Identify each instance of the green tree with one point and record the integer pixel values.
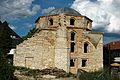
(5, 45)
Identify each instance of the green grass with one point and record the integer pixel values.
(98, 75)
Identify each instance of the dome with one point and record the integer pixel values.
(65, 10)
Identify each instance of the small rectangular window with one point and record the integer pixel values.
(72, 21)
(72, 36)
(84, 62)
(72, 62)
(85, 48)
(72, 47)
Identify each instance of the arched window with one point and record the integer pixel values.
(72, 21)
(72, 45)
(85, 47)
(72, 36)
(51, 21)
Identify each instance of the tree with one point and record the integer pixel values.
(5, 45)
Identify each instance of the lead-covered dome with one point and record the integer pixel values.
(65, 10)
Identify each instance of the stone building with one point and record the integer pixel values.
(64, 39)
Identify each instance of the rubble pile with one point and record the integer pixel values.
(53, 71)
(39, 73)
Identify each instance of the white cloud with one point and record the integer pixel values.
(16, 8)
(104, 13)
(46, 11)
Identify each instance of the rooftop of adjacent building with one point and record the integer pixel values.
(113, 45)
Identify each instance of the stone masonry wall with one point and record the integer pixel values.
(37, 52)
(51, 46)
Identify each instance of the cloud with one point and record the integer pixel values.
(17, 8)
(46, 11)
(104, 13)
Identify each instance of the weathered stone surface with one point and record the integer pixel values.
(47, 74)
(51, 46)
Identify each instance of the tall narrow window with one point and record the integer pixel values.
(72, 21)
(85, 47)
(84, 62)
(51, 21)
(72, 36)
(72, 62)
(72, 46)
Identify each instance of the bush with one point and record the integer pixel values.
(98, 75)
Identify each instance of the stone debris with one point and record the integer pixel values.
(53, 71)
(46, 73)
(48, 76)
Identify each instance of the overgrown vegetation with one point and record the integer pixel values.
(59, 73)
(6, 70)
(98, 75)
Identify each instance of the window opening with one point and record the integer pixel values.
(72, 21)
(51, 21)
(84, 63)
(72, 36)
(85, 48)
(87, 23)
(72, 62)
(72, 46)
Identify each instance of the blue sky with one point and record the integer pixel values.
(21, 14)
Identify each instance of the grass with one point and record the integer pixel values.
(98, 75)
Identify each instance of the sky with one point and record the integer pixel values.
(21, 14)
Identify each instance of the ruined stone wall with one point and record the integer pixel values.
(98, 54)
(37, 52)
(50, 47)
(94, 57)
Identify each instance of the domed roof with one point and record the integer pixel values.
(65, 10)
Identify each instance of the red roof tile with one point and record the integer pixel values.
(113, 45)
